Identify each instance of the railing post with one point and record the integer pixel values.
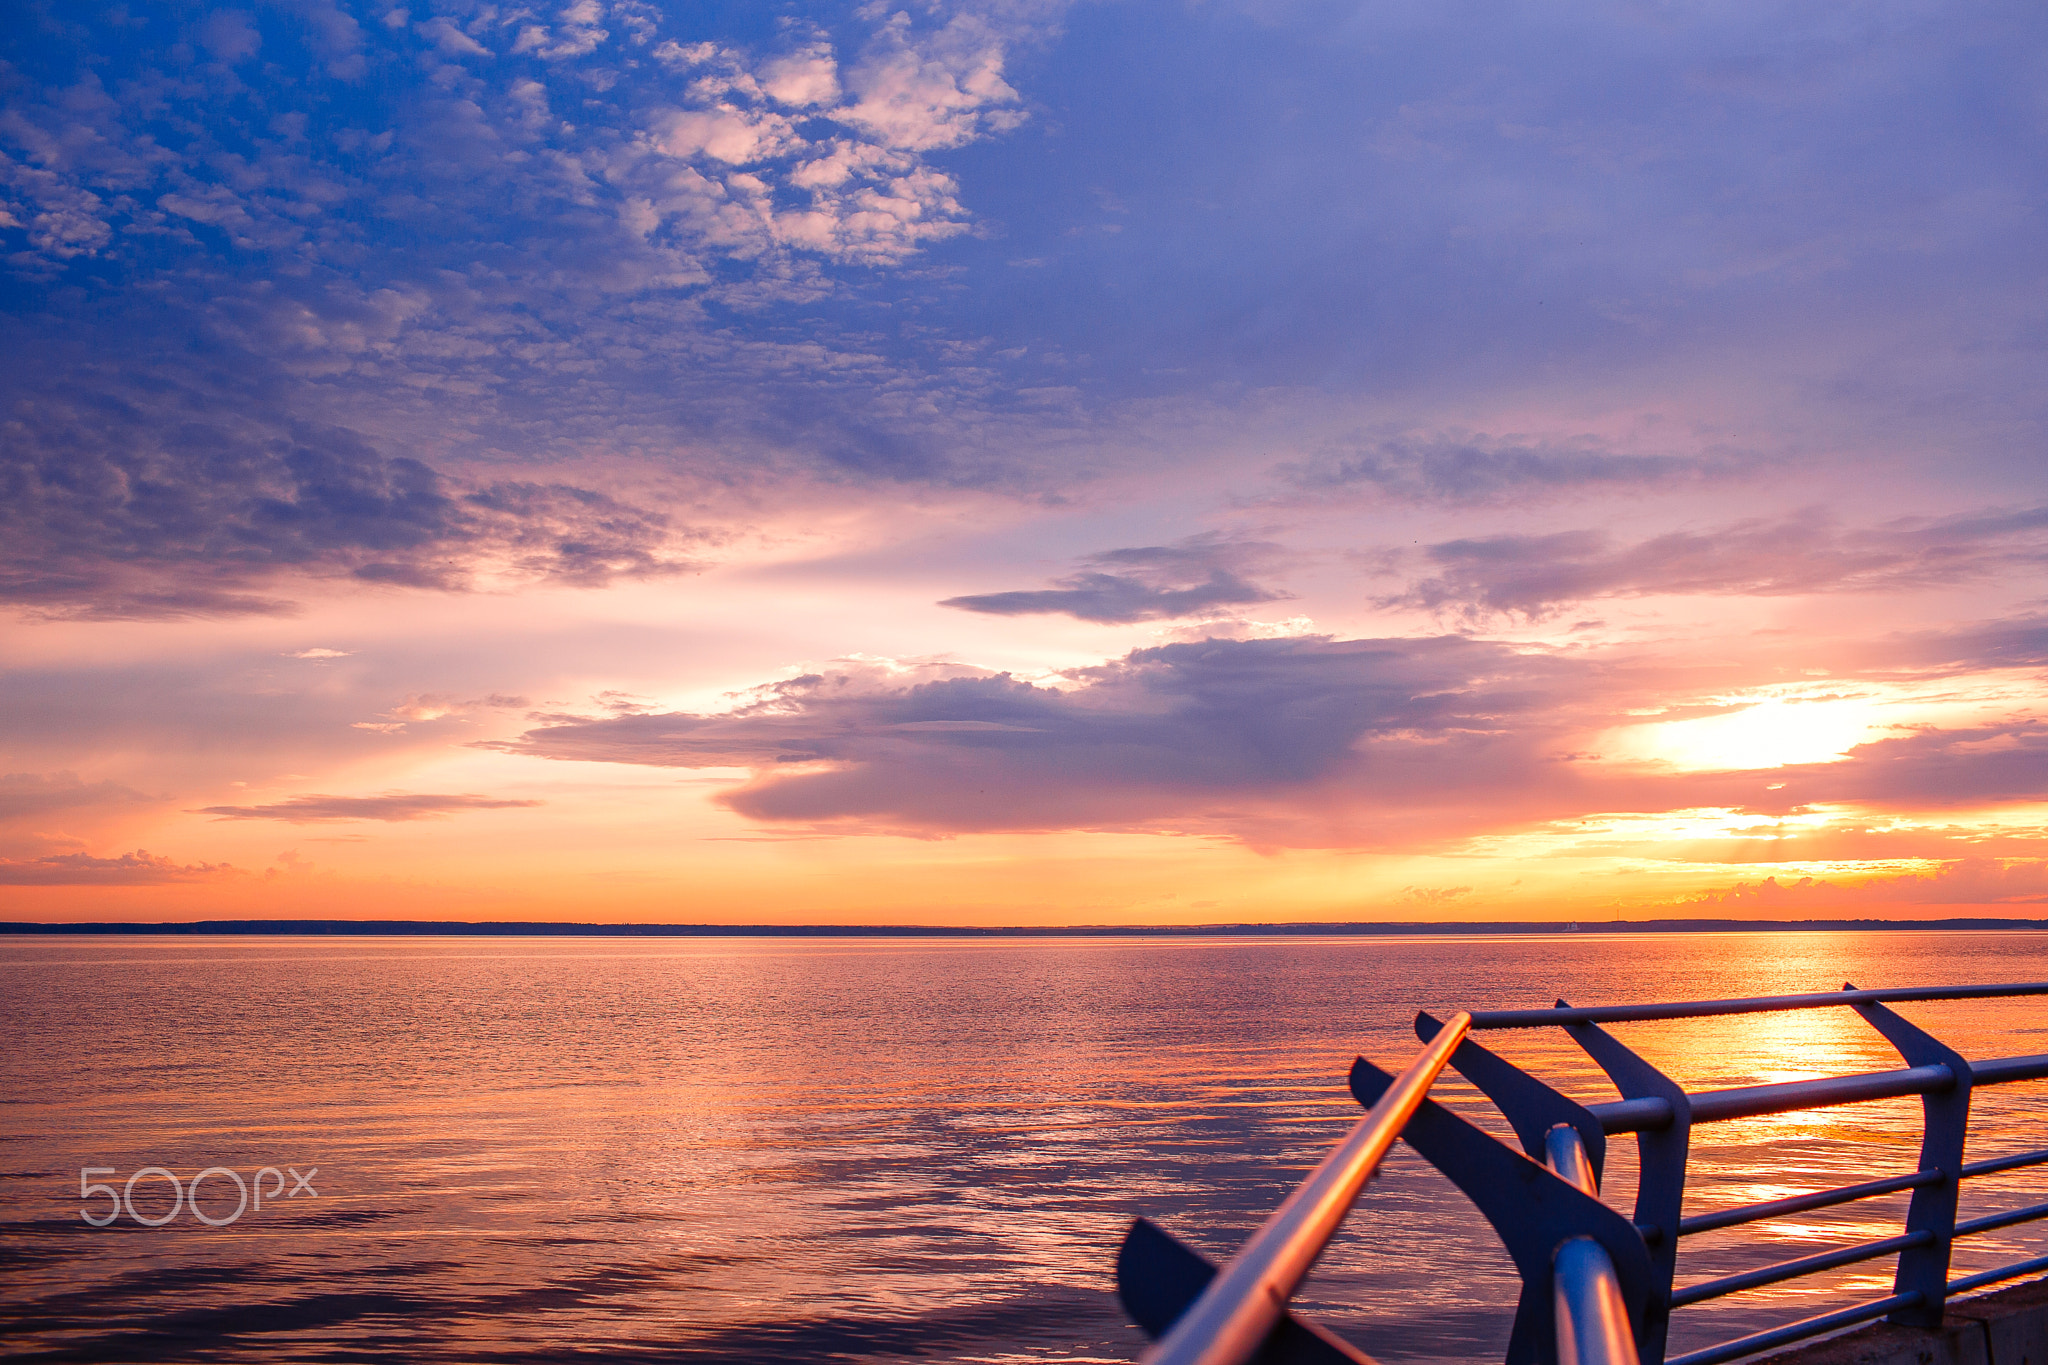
(1591, 1317)
(1660, 1182)
(1592, 1321)
(1531, 1107)
(1532, 1208)
(1946, 1118)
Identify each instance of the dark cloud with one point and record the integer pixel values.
(1980, 765)
(1299, 742)
(139, 868)
(32, 795)
(1209, 734)
(392, 806)
(1141, 583)
(129, 500)
(1460, 467)
(1538, 575)
(2017, 642)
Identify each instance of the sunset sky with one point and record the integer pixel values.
(1023, 463)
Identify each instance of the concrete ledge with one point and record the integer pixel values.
(2015, 1322)
(2009, 1327)
(1957, 1341)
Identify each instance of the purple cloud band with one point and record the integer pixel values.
(1311, 742)
(392, 806)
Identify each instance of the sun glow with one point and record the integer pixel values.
(1814, 722)
(1768, 733)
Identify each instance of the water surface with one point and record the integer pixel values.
(859, 1149)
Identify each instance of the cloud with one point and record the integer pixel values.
(1465, 467)
(143, 501)
(319, 653)
(577, 35)
(674, 248)
(1306, 741)
(2015, 642)
(923, 92)
(433, 706)
(139, 868)
(2017, 882)
(679, 232)
(1832, 835)
(1537, 575)
(33, 795)
(1312, 732)
(230, 35)
(443, 34)
(771, 157)
(1972, 766)
(512, 259)
(1142, 583)
(395, 807)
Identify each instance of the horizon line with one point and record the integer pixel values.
(1358, 928)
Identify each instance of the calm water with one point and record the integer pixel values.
(870, 1150)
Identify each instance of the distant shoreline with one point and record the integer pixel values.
(1356, 928)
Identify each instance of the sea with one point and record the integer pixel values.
(869, 1149)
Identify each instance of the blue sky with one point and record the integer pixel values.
(619, 361)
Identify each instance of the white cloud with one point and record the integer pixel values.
(736, 137)
(676, 56)
(786, 158)
(864, 194)
(69, 231)
(452, 40)
(63, 219)
(578, 36)
(924, 93)
(803, 78)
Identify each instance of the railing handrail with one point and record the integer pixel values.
(1231, 1319)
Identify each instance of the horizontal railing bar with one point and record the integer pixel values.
(1709, 1106)
(1991, 1221)
(1792, 1270)
(2008, 1272)
(1630, 1116)
(1799, 1331)
(1800, 1203)
(1230, 1319)
(1647, 1114)
(1752, 1100)
(1999, 1070)
(2004, 1163)
(1762, 1004)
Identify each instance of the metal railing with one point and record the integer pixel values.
(1238, 1310)
(1597, 1288)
